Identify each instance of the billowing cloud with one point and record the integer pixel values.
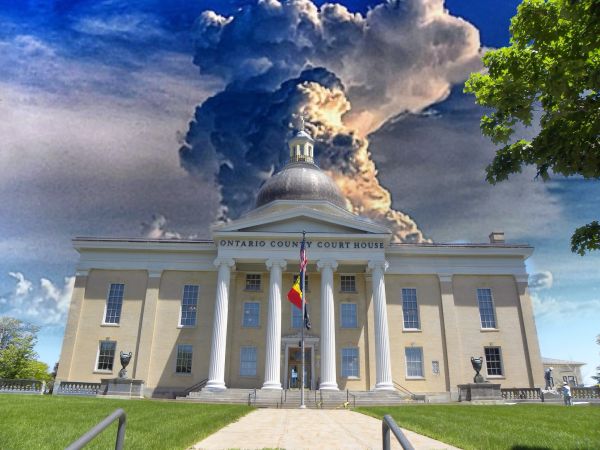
(44, 304)
(347, 73)
(156, 228)
(541, 280)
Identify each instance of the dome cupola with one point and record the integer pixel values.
(300, 179)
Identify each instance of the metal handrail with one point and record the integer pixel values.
(97, 429)
(195, 387)
(250, 395)
(348, 395)
(388, 424)
(402, 388)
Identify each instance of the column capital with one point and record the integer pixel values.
(229, 262)
(323, 263)
(270, 263)
(82, 272)
(154, 273)
(445, 277)
(377, 264)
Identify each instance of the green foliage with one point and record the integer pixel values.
(522, 426)
(552, 63)
(17, 356)
(48, 422)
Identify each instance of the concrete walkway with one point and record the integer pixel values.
(308, 429)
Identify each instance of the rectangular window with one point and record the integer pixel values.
(248, 362)
(296, 317)
(410, 309)
(414, 361)
(184, 359)
(253, 282)
(435, 367)
(251, 315)
(189, 304)
(348, 283)
(493, 361)
(348, 311)
(106, 355)
(114, 303)
(350, 367)
(486, 308)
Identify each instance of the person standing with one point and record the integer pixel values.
(566, 391)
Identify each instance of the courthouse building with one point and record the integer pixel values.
(383, 313)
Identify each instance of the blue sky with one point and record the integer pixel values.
(96, 99)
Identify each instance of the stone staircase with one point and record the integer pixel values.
(291, 398)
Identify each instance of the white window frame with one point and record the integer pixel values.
(255, 361)
(495, 327)
(414, 377)
(355, 325)
(181, 325)
(501, 361)
(191, 352)
(96, 369)
(344, 370)
(244, 325)
(404, 327)
(118, 323)
(260, 282)
(342, 276)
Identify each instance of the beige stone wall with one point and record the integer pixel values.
(91, 330)
(429, 337)
(149, 327)
(168, 334)
(508, 335)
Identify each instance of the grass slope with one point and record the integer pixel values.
(48, 422)
(528, 426)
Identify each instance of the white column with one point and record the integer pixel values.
(216, 369)
(273, 347)
(382, 337)
(328, 367)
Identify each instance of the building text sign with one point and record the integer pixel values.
(258, 243)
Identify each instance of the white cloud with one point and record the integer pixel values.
(156, 228)
(541, 280)
(553, 307)
(46, 304)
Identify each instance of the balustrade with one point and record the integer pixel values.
(20, 386)
(77, 388)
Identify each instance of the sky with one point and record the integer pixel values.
(158, 119)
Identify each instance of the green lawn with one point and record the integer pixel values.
(530, 426)
(49, 422)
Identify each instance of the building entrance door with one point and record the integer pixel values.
(294, 364)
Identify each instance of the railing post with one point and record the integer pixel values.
(385, 435)
(121, 433)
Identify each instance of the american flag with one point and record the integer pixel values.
(303, 260)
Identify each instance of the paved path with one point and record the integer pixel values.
(308, 429)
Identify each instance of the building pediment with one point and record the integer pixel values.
(291, 217)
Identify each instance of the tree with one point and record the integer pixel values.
(17, 356)
(552, 62)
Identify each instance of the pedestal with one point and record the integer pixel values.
(121, 388)
(480, 393)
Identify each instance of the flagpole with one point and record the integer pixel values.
(302, 405)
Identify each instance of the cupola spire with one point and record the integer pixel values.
(301, 145)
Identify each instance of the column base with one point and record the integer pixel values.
(384, 386)
(215, 385)
(273, 385)
(328, 386)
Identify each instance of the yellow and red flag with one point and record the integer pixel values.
(295, 294)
